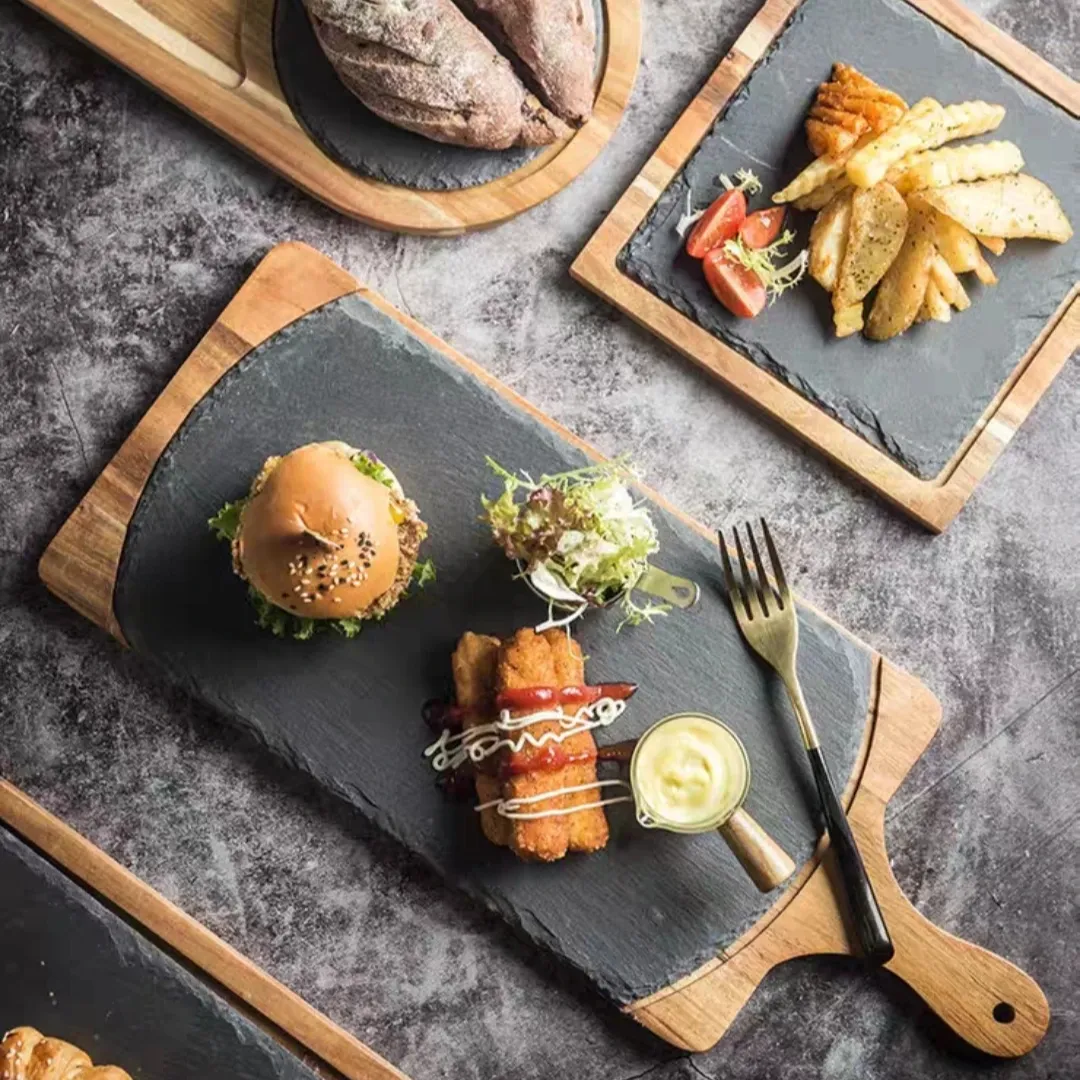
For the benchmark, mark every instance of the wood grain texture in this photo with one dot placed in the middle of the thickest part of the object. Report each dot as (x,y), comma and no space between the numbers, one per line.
(235,972)
(957,979)
(187,49)
(934,503)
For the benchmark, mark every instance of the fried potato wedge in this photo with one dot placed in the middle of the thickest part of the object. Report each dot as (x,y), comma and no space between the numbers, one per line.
(983,270)
(848,320)
(955,165)
(948,283)
(903,288)
(829,240)
(1007,207)
(920,126)
(934,305)
(992,243)
(821,196)
(959,248)
(879,218)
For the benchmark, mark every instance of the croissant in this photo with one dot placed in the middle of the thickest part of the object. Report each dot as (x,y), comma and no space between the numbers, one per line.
(26,1054)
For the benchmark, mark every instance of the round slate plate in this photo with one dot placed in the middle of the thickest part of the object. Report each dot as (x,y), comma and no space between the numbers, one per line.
(359,140)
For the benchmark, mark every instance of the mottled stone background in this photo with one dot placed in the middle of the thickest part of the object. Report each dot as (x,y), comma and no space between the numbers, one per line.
(126,226)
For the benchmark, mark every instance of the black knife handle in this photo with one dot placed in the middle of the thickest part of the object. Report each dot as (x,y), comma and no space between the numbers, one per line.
(873,935)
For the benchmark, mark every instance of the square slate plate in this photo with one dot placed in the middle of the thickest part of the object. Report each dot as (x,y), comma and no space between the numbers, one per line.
(920,417)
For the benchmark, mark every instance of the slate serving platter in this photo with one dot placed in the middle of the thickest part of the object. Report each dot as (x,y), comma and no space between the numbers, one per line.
(75,970)
(915,397)
(652,906)
(361,141)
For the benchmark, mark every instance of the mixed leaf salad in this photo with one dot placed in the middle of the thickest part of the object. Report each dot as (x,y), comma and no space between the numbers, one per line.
(225,524)
(579,537)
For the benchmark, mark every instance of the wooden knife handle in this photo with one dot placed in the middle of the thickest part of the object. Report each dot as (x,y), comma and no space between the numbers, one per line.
(767,863)
(985,999)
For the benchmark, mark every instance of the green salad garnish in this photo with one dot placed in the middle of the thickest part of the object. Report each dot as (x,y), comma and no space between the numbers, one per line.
(579,536)
(225,524)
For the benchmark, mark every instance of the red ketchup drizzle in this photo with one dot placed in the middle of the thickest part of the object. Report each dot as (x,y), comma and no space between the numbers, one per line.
(539,697)
(548,758)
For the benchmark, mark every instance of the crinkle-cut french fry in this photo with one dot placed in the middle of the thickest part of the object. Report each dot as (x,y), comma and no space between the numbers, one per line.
(848,320)
(820,197)
(983,271)
(935,305)
(949,284)
(919,127)
(969,118)
(955,165)
(820,171)
(992,244)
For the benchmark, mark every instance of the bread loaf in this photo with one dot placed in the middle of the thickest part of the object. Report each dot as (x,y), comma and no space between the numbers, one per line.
(556,40)
(421,65)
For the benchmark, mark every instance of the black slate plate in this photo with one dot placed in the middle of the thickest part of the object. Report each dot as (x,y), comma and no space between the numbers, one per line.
(652,906)
(361,141)
(73,969)
(916,396)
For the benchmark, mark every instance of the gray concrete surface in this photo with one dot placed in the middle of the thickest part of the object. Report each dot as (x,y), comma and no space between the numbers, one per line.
(125,226)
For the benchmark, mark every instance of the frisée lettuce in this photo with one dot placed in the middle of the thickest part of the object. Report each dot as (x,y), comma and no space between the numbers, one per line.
(579,537)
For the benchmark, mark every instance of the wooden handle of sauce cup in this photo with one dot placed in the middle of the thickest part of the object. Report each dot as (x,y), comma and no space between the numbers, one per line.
(767,863)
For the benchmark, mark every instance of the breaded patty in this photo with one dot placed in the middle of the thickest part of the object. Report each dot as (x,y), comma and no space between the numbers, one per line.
(474,663)
(551,658)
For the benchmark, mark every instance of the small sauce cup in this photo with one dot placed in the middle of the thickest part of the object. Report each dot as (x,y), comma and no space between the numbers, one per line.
(665,757)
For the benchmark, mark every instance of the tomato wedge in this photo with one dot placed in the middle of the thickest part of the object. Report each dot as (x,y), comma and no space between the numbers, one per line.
(719,223)
(762,227)
(739,289)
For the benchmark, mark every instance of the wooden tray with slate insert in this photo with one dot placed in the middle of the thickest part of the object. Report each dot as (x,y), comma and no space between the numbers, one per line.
(921,418)
(214,58)
(137,547)
(84,951)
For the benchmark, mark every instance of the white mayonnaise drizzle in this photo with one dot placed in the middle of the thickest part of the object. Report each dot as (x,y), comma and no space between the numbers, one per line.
(454,748)
(512,808)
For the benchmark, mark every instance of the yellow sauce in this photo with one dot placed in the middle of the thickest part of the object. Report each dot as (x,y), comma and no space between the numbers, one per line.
(689,771)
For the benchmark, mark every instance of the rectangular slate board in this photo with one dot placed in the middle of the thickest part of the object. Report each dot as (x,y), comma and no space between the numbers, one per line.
(917,396)
(633,918)
(75,970)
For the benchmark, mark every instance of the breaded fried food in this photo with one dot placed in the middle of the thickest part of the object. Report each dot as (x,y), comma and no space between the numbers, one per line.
(550,658)
(847,108)
(474,664)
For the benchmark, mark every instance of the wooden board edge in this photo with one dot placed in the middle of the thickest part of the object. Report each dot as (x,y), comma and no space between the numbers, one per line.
(695,1012)
(81,563)
(934,503)
(1004,50)
(188,937)
(264,303)
(262,126)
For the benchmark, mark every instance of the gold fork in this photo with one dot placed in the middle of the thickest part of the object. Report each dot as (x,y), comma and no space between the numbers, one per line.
(767,619)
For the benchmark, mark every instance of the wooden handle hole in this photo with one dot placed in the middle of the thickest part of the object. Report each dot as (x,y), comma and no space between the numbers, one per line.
(1004,1013)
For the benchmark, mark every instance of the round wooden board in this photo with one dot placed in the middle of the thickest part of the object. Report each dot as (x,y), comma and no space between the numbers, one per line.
(214,58)
(962,982)
(446,212)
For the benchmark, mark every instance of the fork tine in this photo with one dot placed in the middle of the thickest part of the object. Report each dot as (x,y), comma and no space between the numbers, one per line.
(761,580)
(748,593)
(777,567)
(734,592)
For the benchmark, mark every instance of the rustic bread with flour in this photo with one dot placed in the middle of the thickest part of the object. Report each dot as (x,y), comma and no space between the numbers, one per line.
(556,40)
(420,64)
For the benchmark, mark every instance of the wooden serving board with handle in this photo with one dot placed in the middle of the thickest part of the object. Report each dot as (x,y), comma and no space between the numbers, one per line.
(214,59)
(983,998)
(728,348)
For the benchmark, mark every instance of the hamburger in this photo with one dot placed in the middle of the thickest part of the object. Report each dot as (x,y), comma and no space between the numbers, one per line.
(325,539)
